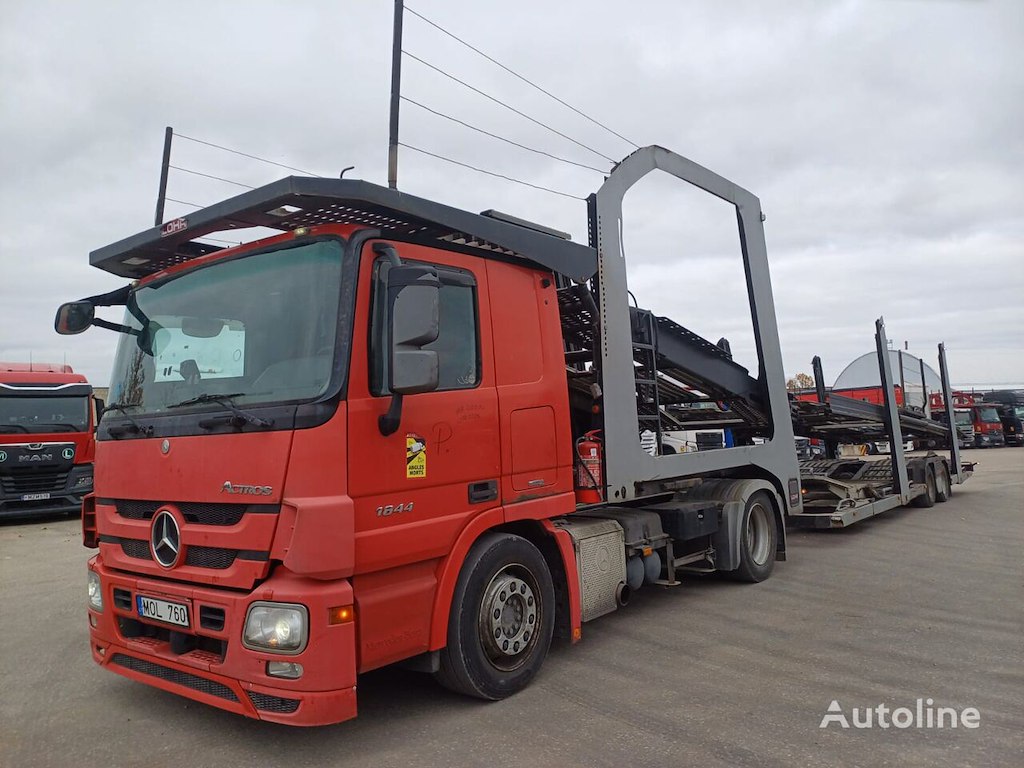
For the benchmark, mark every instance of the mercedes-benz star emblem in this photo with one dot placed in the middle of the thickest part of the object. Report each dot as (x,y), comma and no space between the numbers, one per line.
(165,539)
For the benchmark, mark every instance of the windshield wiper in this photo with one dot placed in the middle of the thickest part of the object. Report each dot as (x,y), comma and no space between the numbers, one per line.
(13,428)
(240,416)
(133,426)
(71,427)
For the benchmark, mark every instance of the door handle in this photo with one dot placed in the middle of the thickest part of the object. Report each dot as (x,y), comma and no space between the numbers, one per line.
(485,490)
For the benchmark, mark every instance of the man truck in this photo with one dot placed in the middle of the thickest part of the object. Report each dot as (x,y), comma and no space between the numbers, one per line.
(400,432)
(46,439)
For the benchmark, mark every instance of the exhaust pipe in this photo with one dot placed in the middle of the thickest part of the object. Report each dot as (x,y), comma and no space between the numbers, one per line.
(622,594)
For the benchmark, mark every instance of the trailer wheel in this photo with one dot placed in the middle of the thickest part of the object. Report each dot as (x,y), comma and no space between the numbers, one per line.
(927,499)
(501,621)
(943,486)
(758,537)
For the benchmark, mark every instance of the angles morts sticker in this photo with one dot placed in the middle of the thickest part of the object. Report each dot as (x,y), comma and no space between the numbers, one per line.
(415,456)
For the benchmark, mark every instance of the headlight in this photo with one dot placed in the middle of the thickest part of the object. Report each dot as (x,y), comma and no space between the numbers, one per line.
(95,592)
(279,627)
(84,481)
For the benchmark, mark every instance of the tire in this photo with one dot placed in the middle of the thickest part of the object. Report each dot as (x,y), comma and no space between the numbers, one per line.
(758,538)
(927,499)
(505,575)
(943,486)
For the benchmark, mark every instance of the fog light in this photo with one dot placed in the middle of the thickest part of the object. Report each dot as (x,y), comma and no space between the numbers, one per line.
(286,669)
(279,627)
(95,592)
(83,481)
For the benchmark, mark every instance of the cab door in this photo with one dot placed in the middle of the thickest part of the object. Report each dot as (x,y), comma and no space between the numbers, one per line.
(416,489)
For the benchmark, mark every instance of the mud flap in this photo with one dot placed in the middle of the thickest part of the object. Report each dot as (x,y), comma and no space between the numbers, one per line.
(726,539)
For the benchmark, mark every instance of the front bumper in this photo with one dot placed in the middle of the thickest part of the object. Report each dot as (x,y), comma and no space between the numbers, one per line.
(66,498)
(989,440)
(208,662)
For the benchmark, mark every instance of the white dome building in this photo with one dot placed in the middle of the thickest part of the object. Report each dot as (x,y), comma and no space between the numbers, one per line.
(863,373)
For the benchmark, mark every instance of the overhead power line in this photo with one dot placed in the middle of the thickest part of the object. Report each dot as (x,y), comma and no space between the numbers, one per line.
(491,173)
(506,106)
(246,154)
(521,77)
(502,138)
(208,176)
(183,202)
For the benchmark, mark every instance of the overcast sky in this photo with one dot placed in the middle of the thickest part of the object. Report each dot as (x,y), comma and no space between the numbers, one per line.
(884,138)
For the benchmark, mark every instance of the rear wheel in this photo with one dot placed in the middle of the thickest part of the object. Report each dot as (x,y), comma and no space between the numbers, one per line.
(502,619)
(927,499)
(943,486)
(758,536)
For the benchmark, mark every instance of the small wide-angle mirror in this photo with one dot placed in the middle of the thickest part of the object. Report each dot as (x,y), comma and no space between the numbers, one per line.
(74,317)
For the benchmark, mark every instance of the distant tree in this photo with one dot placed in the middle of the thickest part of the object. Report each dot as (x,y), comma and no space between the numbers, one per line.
(800,381)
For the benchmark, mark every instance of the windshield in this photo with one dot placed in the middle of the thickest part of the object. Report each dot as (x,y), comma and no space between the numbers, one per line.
(43,414)
(1019,411)
(988,415)
(963,418)
(259,328)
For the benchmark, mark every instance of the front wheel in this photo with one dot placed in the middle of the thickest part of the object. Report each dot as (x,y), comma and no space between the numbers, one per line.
(501,621)
(758,536)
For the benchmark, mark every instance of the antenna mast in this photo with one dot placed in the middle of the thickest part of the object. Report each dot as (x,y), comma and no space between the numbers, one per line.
(164,165)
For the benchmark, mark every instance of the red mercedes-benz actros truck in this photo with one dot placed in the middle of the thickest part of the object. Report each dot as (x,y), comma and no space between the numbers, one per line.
(46,439)
(401,432)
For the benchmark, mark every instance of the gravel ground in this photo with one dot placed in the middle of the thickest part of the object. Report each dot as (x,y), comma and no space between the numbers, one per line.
(915,604)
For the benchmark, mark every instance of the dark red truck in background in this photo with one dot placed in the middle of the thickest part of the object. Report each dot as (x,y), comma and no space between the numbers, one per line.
(47,422)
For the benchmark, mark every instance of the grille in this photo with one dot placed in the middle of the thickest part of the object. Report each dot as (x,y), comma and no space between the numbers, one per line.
(176,676)
(210,557)
(34,482)
(267,703)
(216,558)
(194,512)
(137,549)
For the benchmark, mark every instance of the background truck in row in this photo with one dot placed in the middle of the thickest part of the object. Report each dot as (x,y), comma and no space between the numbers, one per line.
(985,422)
(47,418)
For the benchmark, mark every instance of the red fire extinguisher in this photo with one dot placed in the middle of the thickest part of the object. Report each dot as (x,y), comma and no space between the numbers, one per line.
(589,477)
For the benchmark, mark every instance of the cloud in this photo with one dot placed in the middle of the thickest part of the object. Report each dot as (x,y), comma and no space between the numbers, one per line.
(883,139)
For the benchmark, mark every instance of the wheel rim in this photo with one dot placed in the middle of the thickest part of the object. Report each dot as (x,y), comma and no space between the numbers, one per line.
(758,534)
(510,615)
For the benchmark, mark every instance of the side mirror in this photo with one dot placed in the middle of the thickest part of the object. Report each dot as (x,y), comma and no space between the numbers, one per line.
(100,406)
(74,317)
(413,312)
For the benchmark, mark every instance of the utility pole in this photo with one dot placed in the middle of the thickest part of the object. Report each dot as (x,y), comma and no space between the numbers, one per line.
(164,167)
(396,91)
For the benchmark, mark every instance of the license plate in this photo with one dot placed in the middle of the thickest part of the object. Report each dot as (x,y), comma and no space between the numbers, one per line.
(161,610)
(34,496)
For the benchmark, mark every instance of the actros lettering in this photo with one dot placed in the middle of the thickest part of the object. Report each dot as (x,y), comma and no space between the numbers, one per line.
(250,490)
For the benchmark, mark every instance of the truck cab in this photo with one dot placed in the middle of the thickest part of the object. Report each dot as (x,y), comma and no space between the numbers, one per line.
(47,418)
(1009,404)
(988,427)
